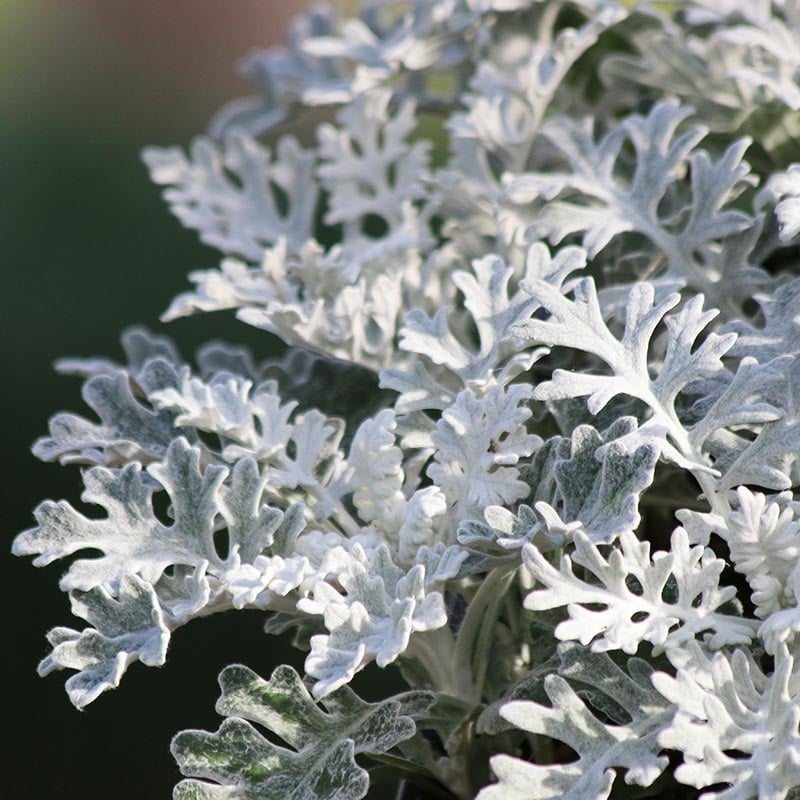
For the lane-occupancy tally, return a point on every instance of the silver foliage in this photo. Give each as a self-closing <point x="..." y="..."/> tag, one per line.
<point x="468" y="462"/>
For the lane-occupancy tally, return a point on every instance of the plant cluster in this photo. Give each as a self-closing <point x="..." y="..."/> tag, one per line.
<point x="535" y="437"/>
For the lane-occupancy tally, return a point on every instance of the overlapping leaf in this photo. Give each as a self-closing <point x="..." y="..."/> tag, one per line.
<point x="316" y="761"/>
<point x="630" y="743"/>
<point x="644" y="598"/>
<point x="735" y="725"/>
<point x="539" y="204"/>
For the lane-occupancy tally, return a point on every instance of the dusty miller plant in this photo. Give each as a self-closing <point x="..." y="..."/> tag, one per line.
<point x="535" y="438"/>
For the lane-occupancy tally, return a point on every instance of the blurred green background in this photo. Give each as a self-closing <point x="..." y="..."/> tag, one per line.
<point x="88" y="247"/>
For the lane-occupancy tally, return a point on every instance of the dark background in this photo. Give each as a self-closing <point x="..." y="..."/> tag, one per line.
<point x="88" y="247"/>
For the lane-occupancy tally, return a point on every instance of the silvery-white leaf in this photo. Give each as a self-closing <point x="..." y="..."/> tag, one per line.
<point x="283" y="77"/>
<point x="602" y="748"/>
<point x="380" y="606"/>
<point x="598" y="479"/>
<point x="225" y="192"/>
<point x="366" y="165"/>
<point x="579" y="324"/>
<point x="535" y="204"/>
<point x="447" y="361"/>
<point x="783" y="190"/>
<point x="771" y="459"/>
<point x="126" y="627"/>
<point x="139" y="345"/>
<point x="505" y="108"/>
<point x="314" y="299"/>
<point x="131" y="538"/>
<point x="778" y="332"/>
<point x="735" y="725"/>
<point x="128" y="430"/>
<point x="479" y="441"/>
<point x="763" y="538"/>
<point x="315" y="760"/>
<point x="377" y="477"/>
<point x="645" y="613"/>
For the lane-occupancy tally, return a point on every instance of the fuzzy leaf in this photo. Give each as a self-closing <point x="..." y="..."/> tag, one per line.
<point x="783" y="189"/>
<point x="494" y="301"/>
<point x="579" y="324"/>
<point x="128" y="429"/>
<point x="644" y="600"/>
<point x="366" y="165"/>
<point x="537" y="206"/>
<point x="372" y="618"/>
<point x="735" y="725"/>
<point x="127" y="627"/>
<point x="131" y="538"/>
<point x="226" y="192"/>
<point x="317" y="764"/>
<point x="284" y="76"/>
<point x="478" y="441"/>
<point x="602" y="749"/>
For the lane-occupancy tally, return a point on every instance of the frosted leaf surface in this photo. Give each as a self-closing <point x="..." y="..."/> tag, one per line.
<point x="579" y="324"/>
<point x="152" y="577"/>
<point x="778" y="333"/>
<point x="770" y="457"/>
<point x="783" y="191"/>
<point x="373" y="616"/>
<point x="283" y="77"/>
<point x="131" y="538"/>
<point x="588" y="482"/>
<point x="662" y="608"/>
<point x="602" y="748"/>
<point x="315" y="760"/>
<point x="479" y="441"/>
<point x="506" y="107"/>
<point x="598" y="480"/>
<point x="366" y="165"/>
<point x="734" y="724"/>
<point x="536" y="204"/>
<point x="446" y="360"/>
<point x="128" y="430"/>
<point x="126" y="627"/>
<point x="377" y="474"/>
<point x="311" y="298"/>
<point x="225" y="192"/>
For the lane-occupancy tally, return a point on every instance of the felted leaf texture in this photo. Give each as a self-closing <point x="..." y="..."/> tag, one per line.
<point x="665" y="600"/>
<point x="783" y="190"/>
<point x="768" y="457"/>
<point x="586" y="482"/>
<point x="735" y="725"/>
<point x="711" y="57"/>
<point x="344" y="301"/>
<point x="507" y="102"/>
<point x="478" y="442"/>
<point x="374" y="614"/>
<point x="151" y="577"/>
<point x="777" y="334"/>
<point x="537" y="204"/>
<point x="366" y="165"/>
<point x="597" y="480"/>
<point x="579" y="324"/>
<point x="282" y="77"/>
<point x="128" y="430"/>
<point x="131" y="539"/>
<point x="447" y="359"/>
<point x="226" y="192"/>
<point x="316" y="758"/>
<point x="126" y="627"/>
<point x="629" y="743"/>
